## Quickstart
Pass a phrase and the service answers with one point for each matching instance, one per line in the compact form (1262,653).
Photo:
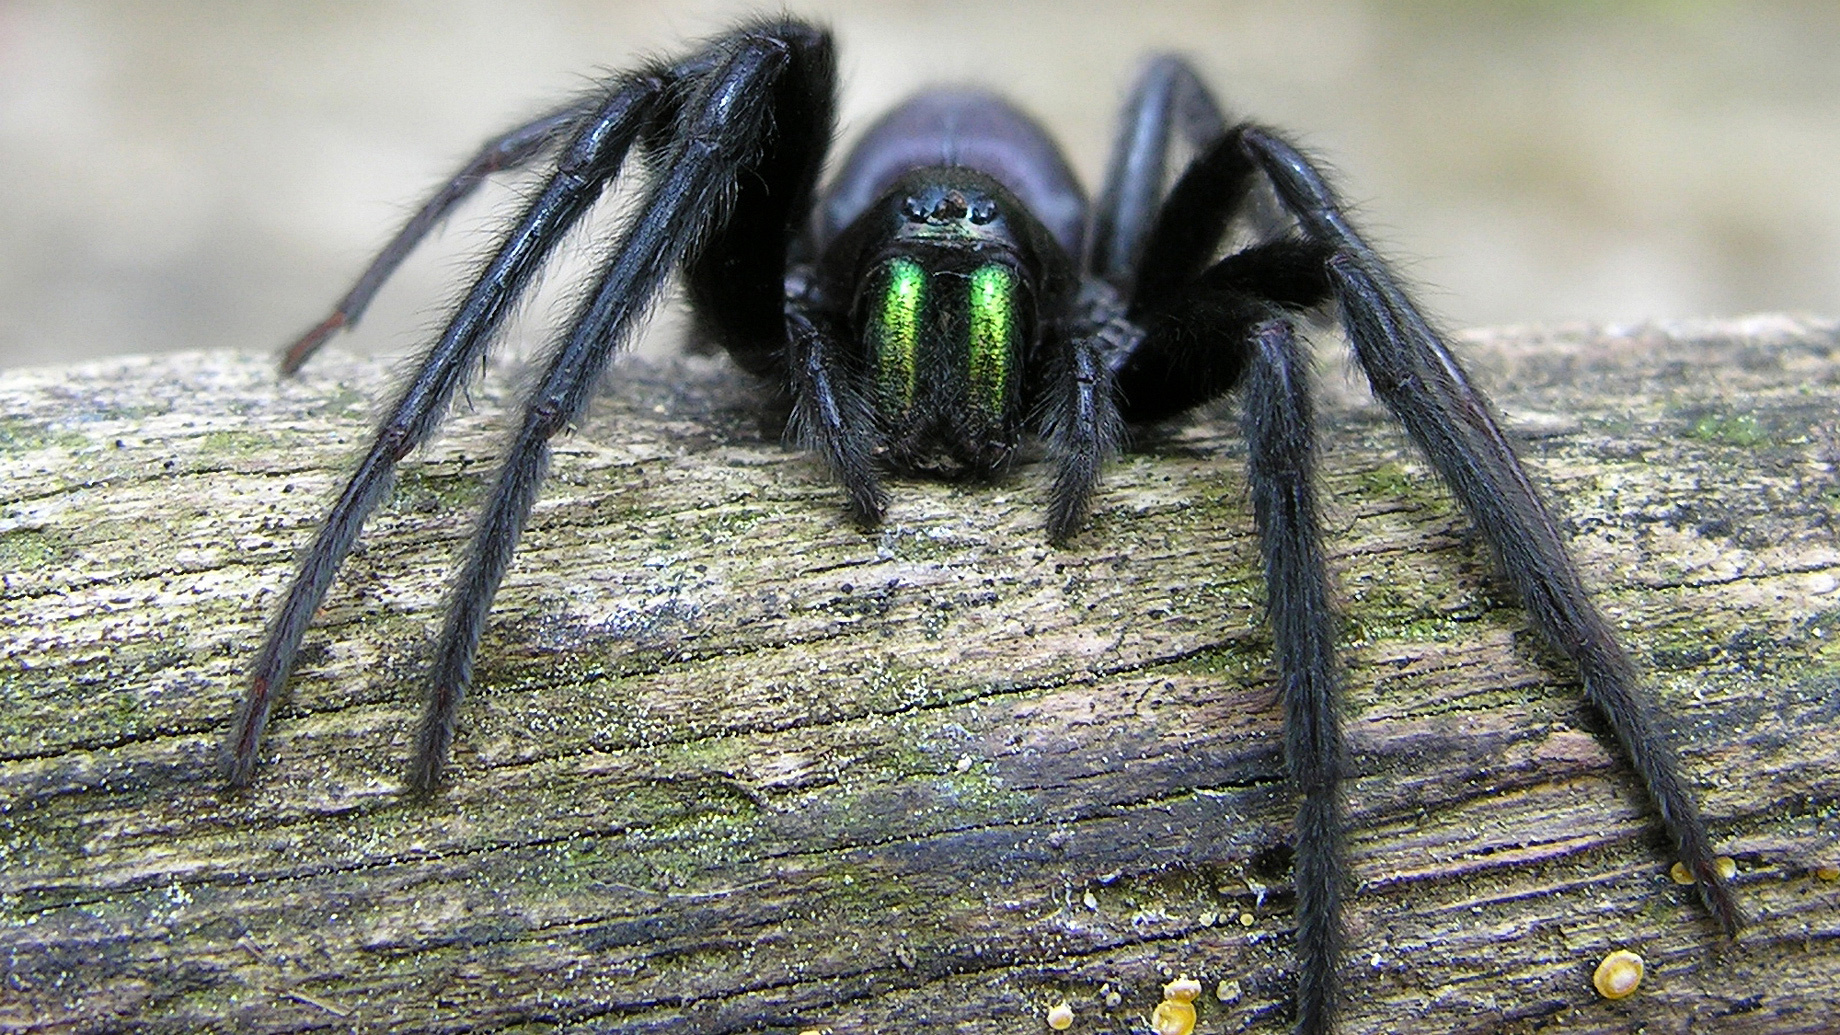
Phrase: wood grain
(735,765)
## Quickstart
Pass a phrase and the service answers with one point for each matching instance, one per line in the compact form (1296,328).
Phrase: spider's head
(947,308)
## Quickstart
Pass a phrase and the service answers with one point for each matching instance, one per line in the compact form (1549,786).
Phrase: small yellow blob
(1060,1016)
(1619,975)
(1726,866)
(1173,1017)
(1827,872)
(1183,989)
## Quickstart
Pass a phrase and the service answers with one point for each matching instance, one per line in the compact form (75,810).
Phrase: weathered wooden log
(734,765)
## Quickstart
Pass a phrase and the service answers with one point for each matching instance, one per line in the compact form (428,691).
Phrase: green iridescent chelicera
(894,332)
(992,336)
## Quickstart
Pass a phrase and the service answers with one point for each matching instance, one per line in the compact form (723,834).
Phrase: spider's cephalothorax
(950,290)
(944,253)
(944,280)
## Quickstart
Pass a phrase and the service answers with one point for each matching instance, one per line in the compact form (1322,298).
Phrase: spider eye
(898,300)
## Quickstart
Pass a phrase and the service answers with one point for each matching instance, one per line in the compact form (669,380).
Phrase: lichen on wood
(733,764)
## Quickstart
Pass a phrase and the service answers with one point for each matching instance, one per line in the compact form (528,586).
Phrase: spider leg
(1082,424)
(1180,363)
(1168,96)
(830,415)
(587,164)
(721,129)
(1280,442)
(1415,374)
(508,150)
(737,279)
(1225,329)
(767,313)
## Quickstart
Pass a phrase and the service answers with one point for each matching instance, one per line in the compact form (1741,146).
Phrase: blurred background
(212,173)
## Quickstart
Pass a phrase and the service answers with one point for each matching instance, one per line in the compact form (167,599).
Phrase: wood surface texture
(733,764)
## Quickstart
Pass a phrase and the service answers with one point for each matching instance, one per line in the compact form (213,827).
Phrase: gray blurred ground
(208,173)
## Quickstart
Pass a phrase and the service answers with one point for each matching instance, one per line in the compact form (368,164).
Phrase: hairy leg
(1415,374)
(509,150)
(586,165)
(720,131)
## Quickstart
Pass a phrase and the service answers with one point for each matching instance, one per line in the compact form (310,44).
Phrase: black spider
(949,288)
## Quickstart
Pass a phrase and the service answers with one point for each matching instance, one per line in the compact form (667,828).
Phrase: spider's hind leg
(1169,98)
(760,305)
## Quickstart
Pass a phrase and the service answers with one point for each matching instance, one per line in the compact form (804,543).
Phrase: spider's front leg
(830,415)
(1207,327)
(715,117)
(1416,376)
(1208,323)
(1223,331)
(722,130)
(1081,421)
(1280,446)
(586,165)
(509,150)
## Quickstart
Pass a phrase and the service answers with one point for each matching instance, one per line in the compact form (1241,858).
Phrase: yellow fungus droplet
(1060,1016)
(1183,989)
(1619,975)
(1827,872)
(1173,1017)
(1246,920)
(1726,866)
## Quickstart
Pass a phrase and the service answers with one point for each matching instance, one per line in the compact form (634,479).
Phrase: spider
(948,290)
